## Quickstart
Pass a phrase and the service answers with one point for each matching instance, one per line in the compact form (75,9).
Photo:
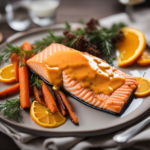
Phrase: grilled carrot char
(10,91)
(113,102)
(38,96)
(48,98)
(31,90)
(60,103)
(15,62)
(68,107)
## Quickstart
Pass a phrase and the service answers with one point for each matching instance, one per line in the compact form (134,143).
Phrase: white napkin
(30,142)
(140,141)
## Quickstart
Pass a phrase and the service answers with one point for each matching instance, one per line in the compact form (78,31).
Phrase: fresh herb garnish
(34,80)
(100,37)
(81,21)
(51,38)
(68,26)
(11,109)
(144,74)
(10,49)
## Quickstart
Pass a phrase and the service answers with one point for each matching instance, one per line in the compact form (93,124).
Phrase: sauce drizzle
(91,72)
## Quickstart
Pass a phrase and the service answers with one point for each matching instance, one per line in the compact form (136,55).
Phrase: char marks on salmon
(113,102)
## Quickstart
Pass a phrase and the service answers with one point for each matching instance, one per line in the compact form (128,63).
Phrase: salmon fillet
(113,103)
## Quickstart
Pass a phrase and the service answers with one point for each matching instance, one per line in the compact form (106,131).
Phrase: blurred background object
(1,37)
(131,2)
(129,6)
(43,13)
(3,3)
(16,20)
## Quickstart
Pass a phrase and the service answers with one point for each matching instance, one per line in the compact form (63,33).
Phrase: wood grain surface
(71,10)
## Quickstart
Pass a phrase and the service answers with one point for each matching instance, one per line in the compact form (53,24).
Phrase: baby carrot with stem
(23,79)
(24,85)
(48,98)
(10,91)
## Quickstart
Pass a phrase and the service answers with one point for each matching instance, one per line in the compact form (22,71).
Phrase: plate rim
(26,129)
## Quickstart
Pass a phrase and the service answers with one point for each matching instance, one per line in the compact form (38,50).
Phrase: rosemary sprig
(68,26)
(51,38)
(11,109)
(10,49)
(70,43)
(34,80)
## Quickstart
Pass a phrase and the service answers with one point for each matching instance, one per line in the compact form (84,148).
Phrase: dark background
(71,10)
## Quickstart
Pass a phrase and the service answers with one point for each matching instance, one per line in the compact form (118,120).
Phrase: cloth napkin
(140,141)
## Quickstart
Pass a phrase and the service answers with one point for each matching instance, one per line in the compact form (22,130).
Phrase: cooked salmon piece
(113,102)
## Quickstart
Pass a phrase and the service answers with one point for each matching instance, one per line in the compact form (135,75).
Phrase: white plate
(92,122)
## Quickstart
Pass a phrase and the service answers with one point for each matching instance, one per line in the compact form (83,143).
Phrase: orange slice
(43,117)
(131,47)
(144,59)
(143,88)
(7,74)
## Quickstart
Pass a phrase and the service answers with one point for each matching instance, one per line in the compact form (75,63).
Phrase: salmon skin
(116,103)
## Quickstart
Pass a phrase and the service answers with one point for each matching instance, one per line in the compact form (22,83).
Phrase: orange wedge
(144,59)
(143,88)
(7,74)
(131,47)
(43,117)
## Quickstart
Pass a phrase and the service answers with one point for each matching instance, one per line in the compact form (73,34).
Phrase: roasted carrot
(60,103)
(23,80)
(26,46)
(48,98)
(15,62)
(37,95)
(24,86)
(10,91)
(68,107)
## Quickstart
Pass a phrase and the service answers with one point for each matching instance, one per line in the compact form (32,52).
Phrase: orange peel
(143,88)
(43,117)
(7,74)
(144,59)
(131,47)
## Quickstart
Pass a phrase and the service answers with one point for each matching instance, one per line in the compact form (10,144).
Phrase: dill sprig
(10,49)
(34,80)
(51,38)
(11,109)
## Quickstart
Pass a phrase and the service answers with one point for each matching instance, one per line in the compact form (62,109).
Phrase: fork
(129,133)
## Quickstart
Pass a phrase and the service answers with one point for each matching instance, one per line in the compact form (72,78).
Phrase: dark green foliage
(51,38)
(34,80)
(11,109)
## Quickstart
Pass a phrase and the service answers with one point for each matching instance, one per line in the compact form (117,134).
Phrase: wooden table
(71,10)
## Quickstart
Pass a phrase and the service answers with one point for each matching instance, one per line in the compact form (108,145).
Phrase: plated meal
(80,64)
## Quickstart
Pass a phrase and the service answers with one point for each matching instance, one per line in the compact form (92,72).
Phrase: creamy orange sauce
(91,72)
